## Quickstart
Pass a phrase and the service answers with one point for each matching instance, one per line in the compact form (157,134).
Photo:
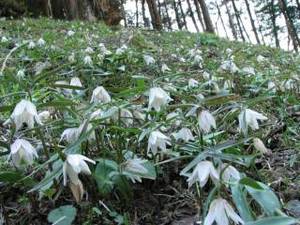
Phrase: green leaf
(103,175)
(10,176)
(240,200)
(251,183)
(266,198)
(275,220)
(63,215)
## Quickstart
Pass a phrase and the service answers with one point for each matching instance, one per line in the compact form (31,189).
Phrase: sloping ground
(231,76)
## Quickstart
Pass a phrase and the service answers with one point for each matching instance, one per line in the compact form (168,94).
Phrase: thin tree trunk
(198,10)
(237,20)
(144,14)
(252,22)
(289,23)
(155,18)
(298,6)
(222,21)
(136,13)
(168,16)
(274,26)
(182,14)
(177,15)
(207,20)
(159,9)
(231,23)
(260,30)
(192,15)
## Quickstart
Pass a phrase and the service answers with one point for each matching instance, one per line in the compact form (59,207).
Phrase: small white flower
(228,66)
(100,95)
(65,91)
(126,117)
(89,50)
(271,86)
(88,60)
(158,140)
(184,134)
(200,97)
(104,50)
(193,83)
(202,172)
(71,58)
(75,81)
(44,116)
(228,84)
(139,115)
(41,42)
(206,75)
(260,59)
(198,60)
(174,116)
(260,146)
(136,165)
(89,127)
(229,51)
(122,68)
(25,112)
(229,173)
(75,164)
(20,74)
(206,121)
(165,68)
(97,114)
(70,135)
(220,211)
(70,33)
(31,45)
(149,60)
(4,39)
(121,50)
(22,152)
(158,98)
(249,117)
(248,70)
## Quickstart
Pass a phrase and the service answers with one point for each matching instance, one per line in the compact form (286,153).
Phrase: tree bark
(222,21)
(192,15)
(182,14)
(168,16)
(207,20)
(177,16)
(231,23)
(252,22)
(136,13)
(199,14)
(274,26)
(237,20)
(155,18)
(289,23)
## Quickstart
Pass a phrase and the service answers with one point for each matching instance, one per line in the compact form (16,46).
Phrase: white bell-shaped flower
(193,83)
(134,168)
(229,173)
(71,57)
(185,134)
(22,152)
(100,95)
(75,81)
(260,146)
(261,59)
(20,74)
(165,68)
(87,60)
(206,121)
(158,98)
(31,45)
(250,118)
(75,164)
(41,42)
(220,211)
(89,50)
(202,172)
(228,66)
(158,140)
(121,50)
(44,116)
(69,135)
(272,86)
(4,39)
(25,113)
(70,33)
(149,60)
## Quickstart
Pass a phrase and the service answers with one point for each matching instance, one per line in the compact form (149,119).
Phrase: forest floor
(167,199)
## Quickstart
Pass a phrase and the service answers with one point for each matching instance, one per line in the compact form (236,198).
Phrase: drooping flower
(4,39)
(121,50)
(149,60)
(88,60)
(158,98)
(31,45)
(271,86)
(104,50)
(71,57)
(126,117)
(228,66)
(77,190)
(248,70)
(249,117)
(220,211)
(44,116)
(158,140)
(206,121)
(202,172)
(41,42)
(25,113)
(100,95)
(22,152)
(75,164)
(185,134)
(193,83)
(20,74)
(261,59)
(165,68)
(229,173)
(70,135)
(75,81)
(89,50)
(260,146)
(134,168)
(70,33)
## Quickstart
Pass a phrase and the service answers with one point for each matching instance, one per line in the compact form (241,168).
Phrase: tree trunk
(168,16)
(198,10)
(155,18)
(177,16)
(252,22)
(237,20)
(182,14)
(192,15)
(222,21)
(207,20)
(231,23)
(137,13)
(289,23)
(274,26)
